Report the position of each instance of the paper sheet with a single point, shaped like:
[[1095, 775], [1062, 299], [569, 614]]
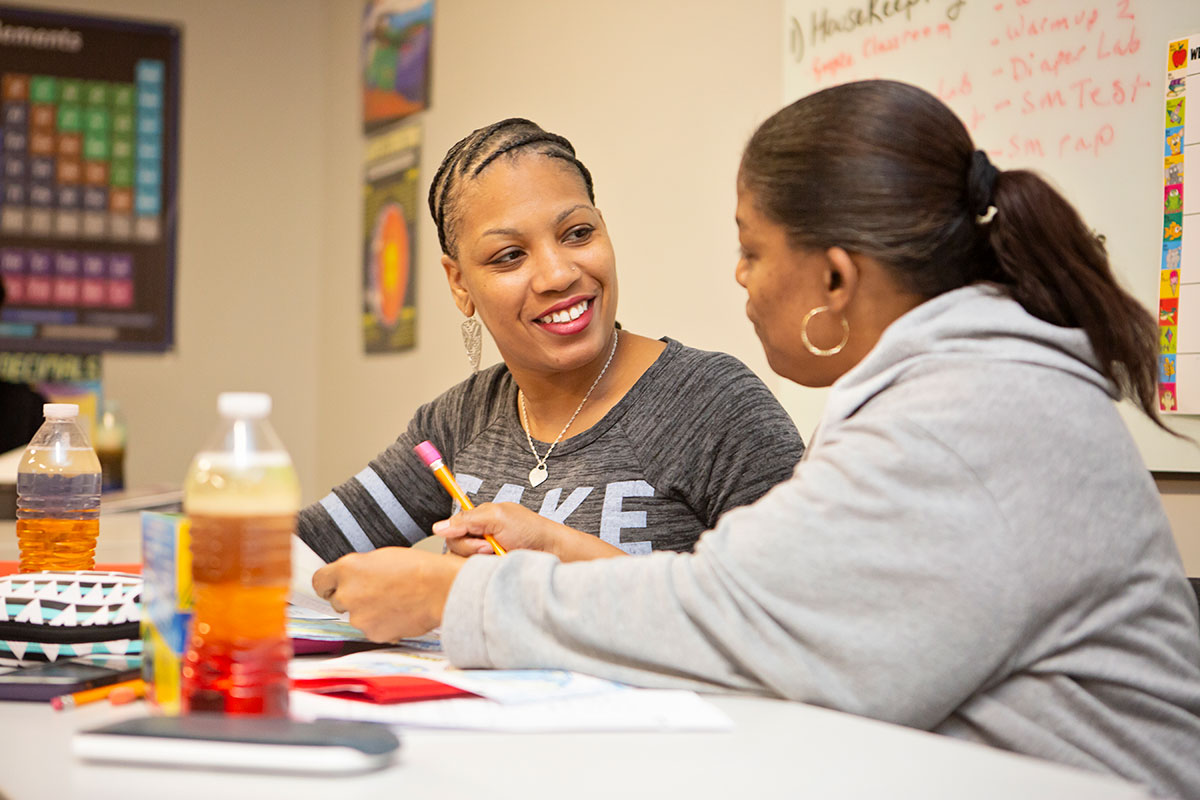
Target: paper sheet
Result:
[[424, 657], [304, 563], [624, 710], [322, 629]]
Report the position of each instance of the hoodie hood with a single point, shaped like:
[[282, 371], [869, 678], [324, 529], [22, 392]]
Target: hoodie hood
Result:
[[980, 322]]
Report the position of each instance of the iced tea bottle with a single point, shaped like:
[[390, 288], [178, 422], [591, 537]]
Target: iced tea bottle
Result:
[[58, 495], [241, 496]]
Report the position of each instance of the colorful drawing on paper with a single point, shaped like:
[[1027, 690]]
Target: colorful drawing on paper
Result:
[[1168, 311], [1172, 170], [1172, 227], [1173, 199], [1174, 139], [1167, 336], [1169, 284], [396, 39], [1177, 55], [1166, 369], [1175, 111], [389, 263], [1172, 255], [391, 209]]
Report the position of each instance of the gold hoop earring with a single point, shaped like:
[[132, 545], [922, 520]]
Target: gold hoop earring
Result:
[[817, 351], [472, 336]]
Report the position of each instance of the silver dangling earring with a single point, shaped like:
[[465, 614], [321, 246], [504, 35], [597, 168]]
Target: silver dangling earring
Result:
[[816, 351], [472, 336]]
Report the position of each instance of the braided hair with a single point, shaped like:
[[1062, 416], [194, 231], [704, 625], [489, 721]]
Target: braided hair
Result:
[[471, 155]]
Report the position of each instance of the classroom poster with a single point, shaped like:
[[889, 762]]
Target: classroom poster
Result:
[[60, 378], [391, 207], [1179, 263], [396, 39], [87, 188]]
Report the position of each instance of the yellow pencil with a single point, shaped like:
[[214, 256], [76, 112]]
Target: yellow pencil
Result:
[[433, 459], [137, 686]]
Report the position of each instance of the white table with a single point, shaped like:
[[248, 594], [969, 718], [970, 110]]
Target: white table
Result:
[[777, 749]]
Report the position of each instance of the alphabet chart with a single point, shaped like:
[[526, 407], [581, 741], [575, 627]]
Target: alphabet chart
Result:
[[1179, 270]]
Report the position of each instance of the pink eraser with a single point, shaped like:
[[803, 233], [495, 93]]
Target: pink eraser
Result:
[[428, 453]]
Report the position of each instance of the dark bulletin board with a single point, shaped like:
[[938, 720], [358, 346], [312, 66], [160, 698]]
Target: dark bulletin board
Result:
[[90, 111]]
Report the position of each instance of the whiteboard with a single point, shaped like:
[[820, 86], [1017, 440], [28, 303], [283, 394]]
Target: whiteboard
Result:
[[1074, 90]]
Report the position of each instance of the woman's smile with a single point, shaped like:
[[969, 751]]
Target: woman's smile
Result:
[[568, 317]]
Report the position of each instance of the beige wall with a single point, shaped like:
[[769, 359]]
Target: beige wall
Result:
[[658, 98], [1181, 497]]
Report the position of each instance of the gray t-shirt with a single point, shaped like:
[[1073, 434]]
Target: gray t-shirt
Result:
[[697, 434]]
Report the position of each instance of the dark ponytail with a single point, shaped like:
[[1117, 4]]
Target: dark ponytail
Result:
[[1058, 270], [885, 169]]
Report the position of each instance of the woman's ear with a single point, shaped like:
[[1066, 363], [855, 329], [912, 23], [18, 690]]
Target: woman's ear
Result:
[[841, 278], [462, 298]]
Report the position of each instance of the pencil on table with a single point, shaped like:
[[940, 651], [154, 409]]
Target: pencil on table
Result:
[[137, 686]]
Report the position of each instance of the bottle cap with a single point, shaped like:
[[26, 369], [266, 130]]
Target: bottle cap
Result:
[[254, 405], [60, 410]]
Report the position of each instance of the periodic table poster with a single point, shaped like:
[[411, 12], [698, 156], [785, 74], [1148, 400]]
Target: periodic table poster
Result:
[[87, 190]]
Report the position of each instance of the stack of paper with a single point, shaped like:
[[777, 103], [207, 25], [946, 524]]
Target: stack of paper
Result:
[[508, 700]]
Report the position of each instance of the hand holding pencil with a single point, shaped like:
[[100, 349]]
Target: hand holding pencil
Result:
[[433, 459]]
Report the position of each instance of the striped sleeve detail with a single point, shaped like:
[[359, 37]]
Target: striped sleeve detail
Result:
[[346, 523], [389, 505]]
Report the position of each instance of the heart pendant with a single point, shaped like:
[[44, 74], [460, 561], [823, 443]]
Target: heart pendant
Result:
[[537, 475]]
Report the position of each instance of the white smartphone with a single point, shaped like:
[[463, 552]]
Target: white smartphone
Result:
[[251, 744]]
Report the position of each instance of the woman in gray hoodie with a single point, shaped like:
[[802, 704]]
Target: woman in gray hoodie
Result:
[[971, 544]]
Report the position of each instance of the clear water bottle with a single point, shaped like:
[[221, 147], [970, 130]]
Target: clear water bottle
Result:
[[241, 497], [58, 495]]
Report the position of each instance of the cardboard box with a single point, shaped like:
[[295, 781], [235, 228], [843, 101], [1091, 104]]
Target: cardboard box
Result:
[[167, 606]]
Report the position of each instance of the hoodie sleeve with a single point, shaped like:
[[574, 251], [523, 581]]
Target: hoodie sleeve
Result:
[[861, 584]]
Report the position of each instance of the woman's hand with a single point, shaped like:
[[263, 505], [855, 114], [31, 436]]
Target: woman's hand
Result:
[[391, 593], [517, 528]]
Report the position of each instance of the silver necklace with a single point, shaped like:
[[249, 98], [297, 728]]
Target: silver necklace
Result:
[[538, 474]]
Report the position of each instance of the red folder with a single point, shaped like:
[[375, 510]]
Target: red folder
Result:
[[381, 688]]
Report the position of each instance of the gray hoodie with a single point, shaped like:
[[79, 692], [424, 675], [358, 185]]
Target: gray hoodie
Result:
[[971, 546]]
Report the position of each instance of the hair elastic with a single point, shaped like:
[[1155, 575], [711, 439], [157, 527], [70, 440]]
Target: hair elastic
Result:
[[981, 183]]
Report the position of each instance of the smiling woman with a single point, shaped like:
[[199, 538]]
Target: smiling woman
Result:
[[587, 440]]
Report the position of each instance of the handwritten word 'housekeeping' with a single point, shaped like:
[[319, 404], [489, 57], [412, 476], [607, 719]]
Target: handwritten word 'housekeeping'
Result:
[[825, 25]]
